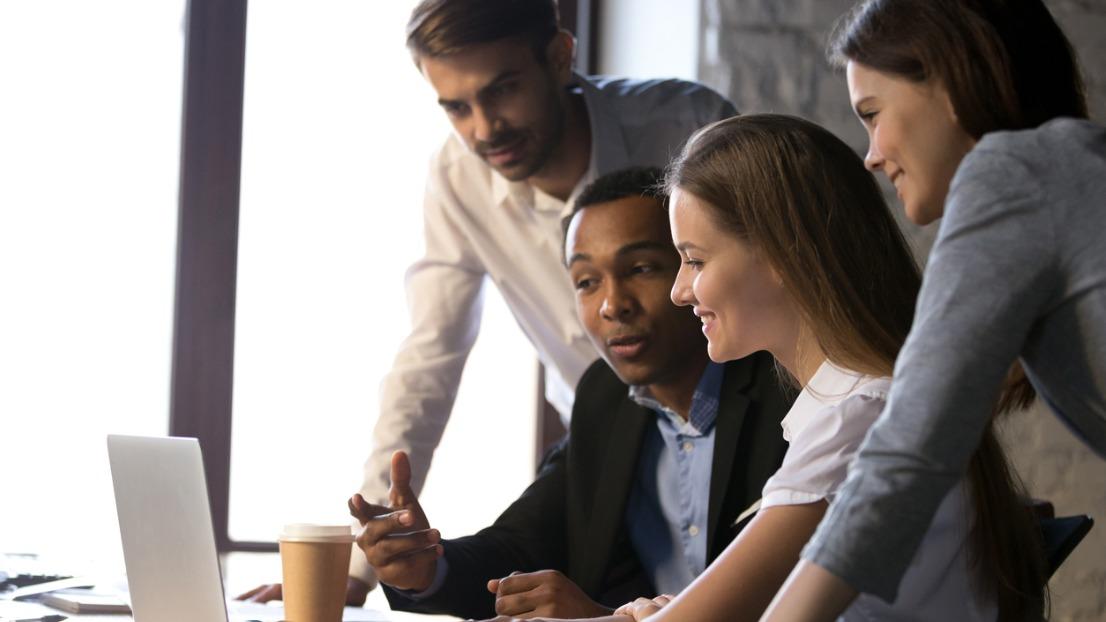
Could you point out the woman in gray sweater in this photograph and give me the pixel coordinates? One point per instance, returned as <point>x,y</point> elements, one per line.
<point>973,110</point>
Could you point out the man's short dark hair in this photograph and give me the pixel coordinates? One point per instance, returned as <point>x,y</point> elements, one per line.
<point>444,27</point>
<point>638,181</point>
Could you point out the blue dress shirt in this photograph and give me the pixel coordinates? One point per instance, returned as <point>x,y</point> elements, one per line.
<point>669,501</point>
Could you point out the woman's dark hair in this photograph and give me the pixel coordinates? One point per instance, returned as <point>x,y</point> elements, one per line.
<point>1005,63</point>
<point>803,199</point>
<point>444,27</point>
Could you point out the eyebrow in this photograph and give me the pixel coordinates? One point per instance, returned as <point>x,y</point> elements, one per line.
<point>644,245</point>
<point>683,246</point>
<point>502,77</point>
<point>633,247</point>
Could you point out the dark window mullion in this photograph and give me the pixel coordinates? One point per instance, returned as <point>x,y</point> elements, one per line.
<point>207,240</point>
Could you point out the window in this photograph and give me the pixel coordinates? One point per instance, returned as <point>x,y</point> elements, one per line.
<point>90,120</point>
<point>338,128</point>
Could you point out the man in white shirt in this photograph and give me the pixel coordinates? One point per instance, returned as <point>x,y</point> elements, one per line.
<point>529,134</point>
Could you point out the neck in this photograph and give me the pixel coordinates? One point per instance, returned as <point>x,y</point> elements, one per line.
<point>675,393</point>
<point>571,157</point>
<point>802,359</point>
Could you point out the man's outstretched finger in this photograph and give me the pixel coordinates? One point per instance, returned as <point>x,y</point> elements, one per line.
<point>401,493</point>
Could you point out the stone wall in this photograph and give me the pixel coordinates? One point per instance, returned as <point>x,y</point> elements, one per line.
<point>768,56</point>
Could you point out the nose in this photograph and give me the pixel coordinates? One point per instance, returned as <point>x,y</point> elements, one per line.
<point>681,294</point>
<point>483,124</point>
<point>873,160</point>
<point>618,305</point>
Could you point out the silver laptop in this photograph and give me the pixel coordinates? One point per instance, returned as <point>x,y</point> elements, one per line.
<point>165,523</point>
<point>168,542</point>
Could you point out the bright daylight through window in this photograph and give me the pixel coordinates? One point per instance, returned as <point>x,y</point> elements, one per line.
<point>89,149</point>
<point>338,130</point>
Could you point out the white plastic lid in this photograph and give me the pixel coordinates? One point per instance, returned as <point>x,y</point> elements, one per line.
<point>309,532</point>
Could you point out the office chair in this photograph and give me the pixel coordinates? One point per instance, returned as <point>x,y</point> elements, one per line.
<point>1061,536</point>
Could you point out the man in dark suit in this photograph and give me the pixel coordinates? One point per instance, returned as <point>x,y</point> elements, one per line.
<point>665,453</point>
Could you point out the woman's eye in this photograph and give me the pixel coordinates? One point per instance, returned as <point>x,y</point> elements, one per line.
<point>694,264</point>
<point>643,268</point>
<point>584,283</point>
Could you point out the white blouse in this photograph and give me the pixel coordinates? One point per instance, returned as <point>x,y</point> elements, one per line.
<point>824,427</point>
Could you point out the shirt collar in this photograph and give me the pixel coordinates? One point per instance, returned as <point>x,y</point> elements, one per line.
<point>608,148</point>
<point>828,386</point>
<point>704,401</point>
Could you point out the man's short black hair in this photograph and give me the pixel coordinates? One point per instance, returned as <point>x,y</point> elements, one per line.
<point>443,27</point>
<point>637,181</point>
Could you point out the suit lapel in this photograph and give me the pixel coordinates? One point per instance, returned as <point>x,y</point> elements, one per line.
<point>731,416</point>
<point>627,429</point>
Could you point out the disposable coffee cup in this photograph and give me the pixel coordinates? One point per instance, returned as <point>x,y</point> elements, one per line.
<point>315,563</point>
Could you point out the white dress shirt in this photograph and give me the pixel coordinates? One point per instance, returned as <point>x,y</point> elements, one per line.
<point>825,427</point>
<point>477,225</point>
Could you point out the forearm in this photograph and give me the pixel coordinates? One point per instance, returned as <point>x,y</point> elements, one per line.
<point>811,594</point>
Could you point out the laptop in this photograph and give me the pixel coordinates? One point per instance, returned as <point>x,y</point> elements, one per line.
<point>169,550</point>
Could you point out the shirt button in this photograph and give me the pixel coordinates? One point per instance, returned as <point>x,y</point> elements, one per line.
<point>688,447</point>
<point>693,531</point>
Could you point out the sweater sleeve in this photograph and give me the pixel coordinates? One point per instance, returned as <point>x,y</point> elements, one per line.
<point>991,273</point>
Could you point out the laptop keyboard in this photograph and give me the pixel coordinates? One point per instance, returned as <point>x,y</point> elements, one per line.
<point>19,570</point>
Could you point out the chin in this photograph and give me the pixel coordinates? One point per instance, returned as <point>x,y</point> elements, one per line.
<point>717,353</point>
<point>514,172</point>
<point>634,375</point>
<point>924,212</point>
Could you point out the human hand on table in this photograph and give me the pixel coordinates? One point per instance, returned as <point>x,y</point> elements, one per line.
<point>397,541</point>
<point>545,593</point>
<point>356,591</point>
<point>642,608</point>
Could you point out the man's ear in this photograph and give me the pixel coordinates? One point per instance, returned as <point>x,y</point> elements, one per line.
<point>559,55</point>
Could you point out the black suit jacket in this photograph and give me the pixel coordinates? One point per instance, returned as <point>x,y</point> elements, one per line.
<point>571,518</point>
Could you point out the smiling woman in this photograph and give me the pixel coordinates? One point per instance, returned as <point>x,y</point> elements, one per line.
<point>913,137</point>
<point>1013,276</point>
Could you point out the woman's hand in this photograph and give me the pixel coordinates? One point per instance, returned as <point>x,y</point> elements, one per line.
<point>644,607</point>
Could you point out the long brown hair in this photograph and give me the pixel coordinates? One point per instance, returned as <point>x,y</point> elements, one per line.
<point>804,200</point>
<point>1005,63</point>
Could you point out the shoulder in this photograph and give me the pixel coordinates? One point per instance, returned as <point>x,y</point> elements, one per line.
<point>598,389</point>
<point>1009,161</point>
<point>842,419</point>
<point>669,96</point>
<point>1037,144</point>
<point>825,431</point>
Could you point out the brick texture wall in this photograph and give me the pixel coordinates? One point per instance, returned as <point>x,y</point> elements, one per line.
<point>768,56</point>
